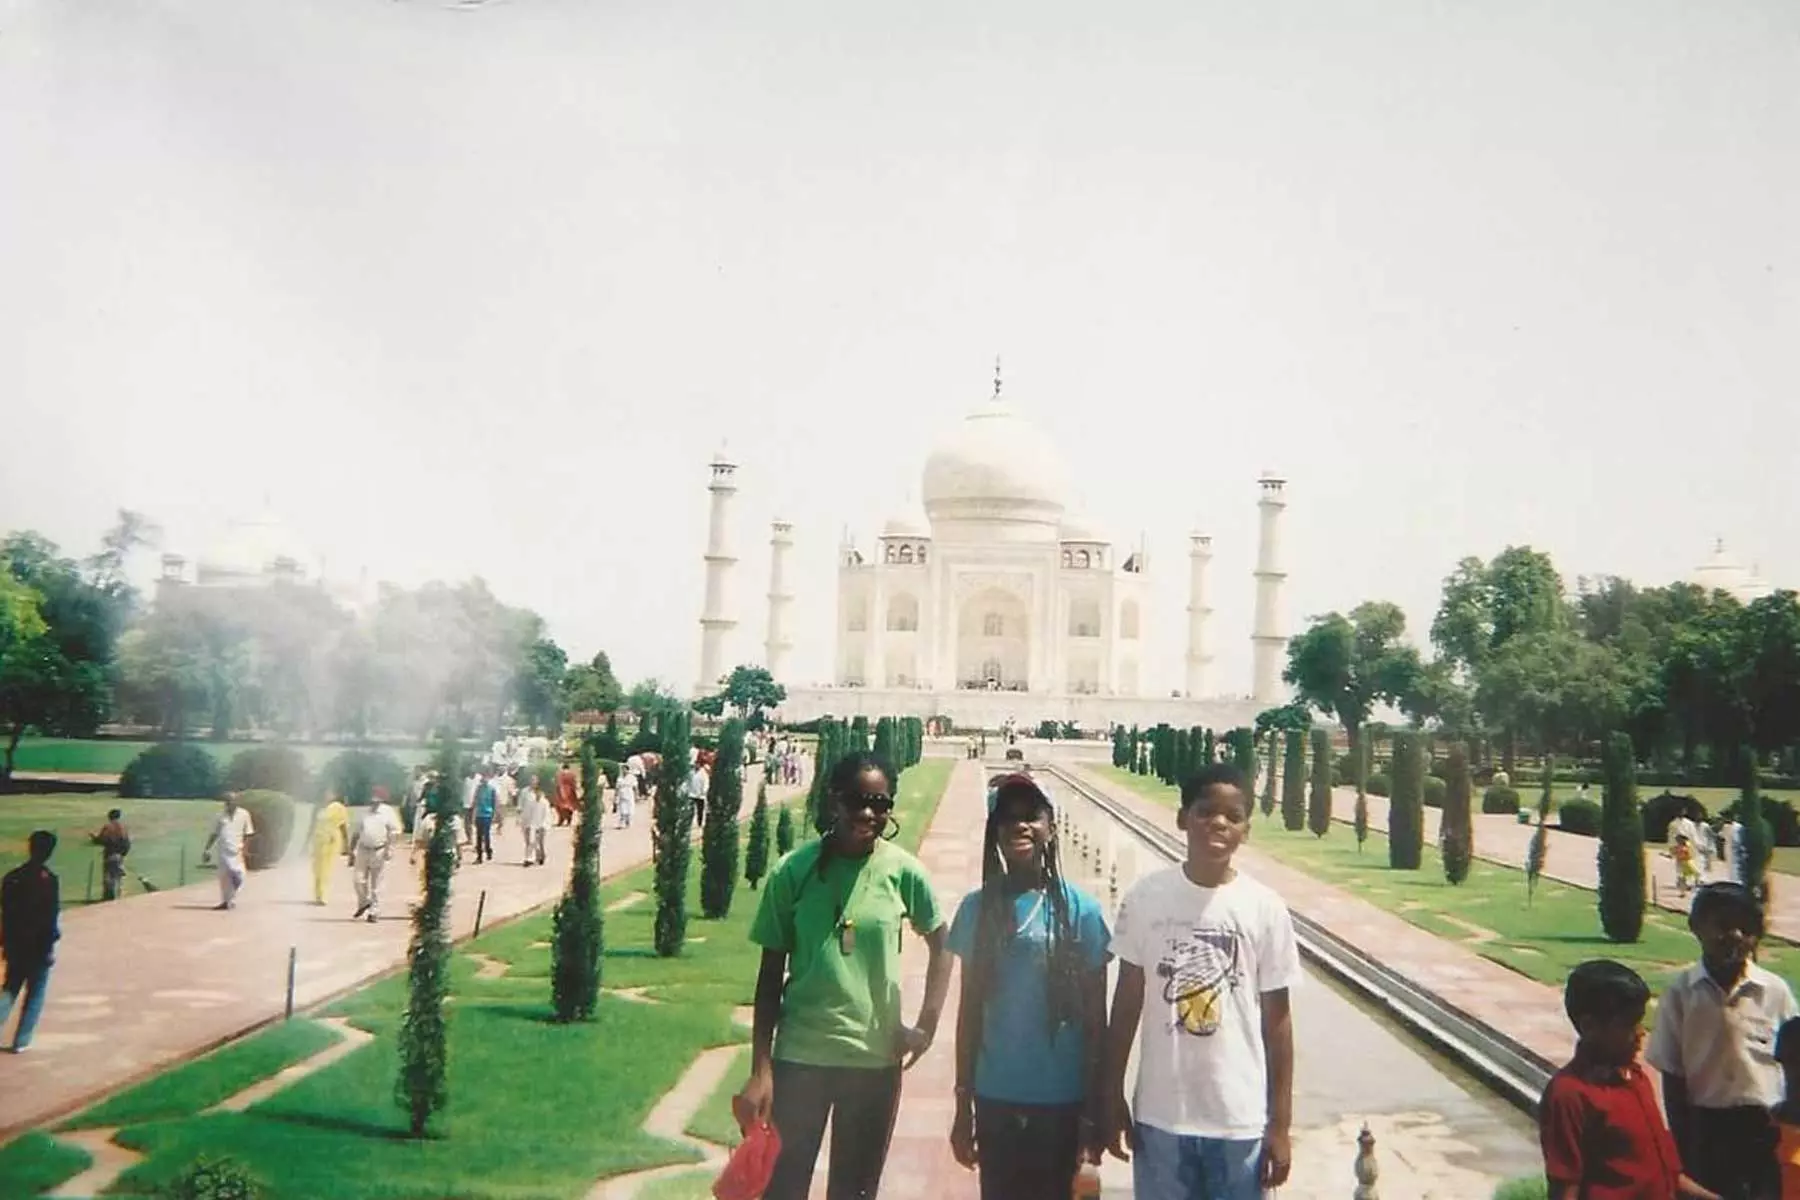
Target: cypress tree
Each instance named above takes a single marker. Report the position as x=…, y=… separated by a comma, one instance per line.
x=1182, y=756
x=719, y=836
x=1621, y=857
x=1359, y=757
x=756, y=852
x=784, y=830
x=674, y=820
x=1268, y=795
x=823, y=757
x=577, y=937
x=1243, y=752
x=1293, y=783
x=1406, y=805
x=423, y=1083
x=1209, y=749
x=859, y=737
x=1459, y=816
x=1758, y=839
x=1119, y=749
x=1318, y=802
x=1540, y=837
x=886, y=747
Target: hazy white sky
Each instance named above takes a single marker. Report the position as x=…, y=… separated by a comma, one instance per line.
x=479, y=290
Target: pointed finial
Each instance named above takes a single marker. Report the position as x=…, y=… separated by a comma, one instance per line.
x=996, y=376
x=1718, y=545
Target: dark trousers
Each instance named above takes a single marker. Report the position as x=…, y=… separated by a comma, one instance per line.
x=861, y=1103
x=1732, y=1152
x=113, y=878
x=700, y=812
x=484, y=838
x=1027, y=1151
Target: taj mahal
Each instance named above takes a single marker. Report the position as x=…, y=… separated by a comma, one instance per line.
x=1001, y=605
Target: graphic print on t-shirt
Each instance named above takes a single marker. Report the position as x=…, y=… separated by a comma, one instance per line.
x=1198, y=972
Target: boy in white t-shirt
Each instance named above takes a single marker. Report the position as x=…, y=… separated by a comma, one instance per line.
x=1212, y=951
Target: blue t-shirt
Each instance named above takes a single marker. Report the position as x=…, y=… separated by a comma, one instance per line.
x=1019, y=1062
x=484, y=801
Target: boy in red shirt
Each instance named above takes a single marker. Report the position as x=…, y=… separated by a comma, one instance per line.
x=1602, y=1132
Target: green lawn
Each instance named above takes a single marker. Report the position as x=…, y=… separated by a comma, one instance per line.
x=160, y=829
x=109, y=756
x=537, y=1109
x=1488, y=912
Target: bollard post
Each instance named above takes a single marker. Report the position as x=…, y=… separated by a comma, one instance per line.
x=480, y=905
x=1367, y=1172
x=293, y=964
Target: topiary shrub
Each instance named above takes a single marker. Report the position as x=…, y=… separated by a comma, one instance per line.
x=1500, y=799
x=1660, y=812
x=272, y=813
x=1380, y=784
x=784, y=830
x=212, y=1179
x=171, y=770
x=354, y=774
x=268, y=769
x=1435, y=790
x=1621, y=874
x=1579, y=816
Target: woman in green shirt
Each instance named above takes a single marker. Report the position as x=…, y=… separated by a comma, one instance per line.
x=829, y=1041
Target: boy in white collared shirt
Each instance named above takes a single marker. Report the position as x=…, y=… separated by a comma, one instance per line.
x=1715, y=1046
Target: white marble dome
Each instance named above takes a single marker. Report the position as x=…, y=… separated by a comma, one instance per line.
x=905, y=525
x=1724, y=573
x=252, y=549
x=995, y=466
x=1078, y=528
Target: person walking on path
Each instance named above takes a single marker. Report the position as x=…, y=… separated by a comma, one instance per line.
x=625, y=797
x=487, y=809
x=1032, y=1020
x=376, y=834
x=534, y=822
x=471, y=784
x=1215, y=1090
x=568, y=796
x=30, y=901
x=115, y=843
x=697, y=783
x=828, y=1040
x=330, y=842
x=231, y=834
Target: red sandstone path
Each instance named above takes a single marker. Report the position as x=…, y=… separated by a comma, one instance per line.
x=144, y=983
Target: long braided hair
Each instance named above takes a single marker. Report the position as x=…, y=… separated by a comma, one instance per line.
x=997, y=923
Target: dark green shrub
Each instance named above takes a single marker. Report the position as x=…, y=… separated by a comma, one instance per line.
x=784, y=830
x=1318, y=801
x=1660, y=812
x=1783, y=821
x=272, y=813
x=1458, y=828
x=610, y=768
x=1502, y=800
x=719, y=838
x=1621, y=875
x=1293, y=783
x=577, y=924
x=213, y=1179
x=171, y=770
x=1380, y=784
x=1435, y=790
x=1750, y=809
x=1539, y=849
x=1268, y=794
x=268, y=769
x=422, y=1084
x=673, y=814
x=355, y=774
x=1579, y=816
x=756, y=851
x=1406, y=810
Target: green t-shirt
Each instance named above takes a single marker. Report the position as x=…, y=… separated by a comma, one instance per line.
x=837, y=1009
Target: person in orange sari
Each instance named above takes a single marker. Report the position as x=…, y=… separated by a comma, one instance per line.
x=568, y=795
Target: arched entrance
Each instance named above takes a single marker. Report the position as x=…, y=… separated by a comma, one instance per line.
x=993, y=642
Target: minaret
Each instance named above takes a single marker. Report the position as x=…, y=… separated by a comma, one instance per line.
x=778, y=643
x=1268, y=642
x=1199, y=558
x=715, y=625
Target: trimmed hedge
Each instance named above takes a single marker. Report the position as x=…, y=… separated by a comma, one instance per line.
x=1660, y=811
x=1380, y=784
x=268, y=769
x=171, y=770
x=1499, y=799
x=354, y=775
x=273, y=815
x=1435, y=790
x=1579, y=816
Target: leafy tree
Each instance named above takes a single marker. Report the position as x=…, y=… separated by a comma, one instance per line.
x=1540, y=837
x=538, y=686
x=54, y=679
x=1359, y=756
x=784, y=830
x=592, y=687
x=756, y=853
x=1318, y=808
x=1293, y=784
x=719, y=838
x=1458, y=823
x=1268, y=794
x=422, y=1087
x=1406, y=804
x=674, y=818
x=577, y=939
x=748, y=690
x=1621, y=855
x=1344, y=666
x=1295, y=717
x=649, y=698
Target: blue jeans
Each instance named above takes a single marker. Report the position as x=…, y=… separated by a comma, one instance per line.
x=32, y=981
x=1171, y=1166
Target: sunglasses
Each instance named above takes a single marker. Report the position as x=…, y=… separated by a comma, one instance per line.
x=873, y=802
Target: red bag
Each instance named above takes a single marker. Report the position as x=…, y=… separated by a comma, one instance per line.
x=746, y=1176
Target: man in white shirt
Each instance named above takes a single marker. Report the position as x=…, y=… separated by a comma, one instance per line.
x=534, y=822
x=370, y=851
x=697, y=783
x=231, y=834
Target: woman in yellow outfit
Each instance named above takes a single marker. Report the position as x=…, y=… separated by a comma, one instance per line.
x=330, y=841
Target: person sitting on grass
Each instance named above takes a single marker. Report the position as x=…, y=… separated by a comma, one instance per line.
x=1597, y=1123
x=1714, y=1043
x=1032, y=1020
x=829, y=1041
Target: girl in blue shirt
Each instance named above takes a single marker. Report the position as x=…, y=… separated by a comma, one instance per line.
x=1030, y=1025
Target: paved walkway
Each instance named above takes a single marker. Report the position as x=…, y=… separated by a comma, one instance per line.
x=150, y=981
x=1571, y=858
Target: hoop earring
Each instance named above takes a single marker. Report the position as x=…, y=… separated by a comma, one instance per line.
x=891, y=831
